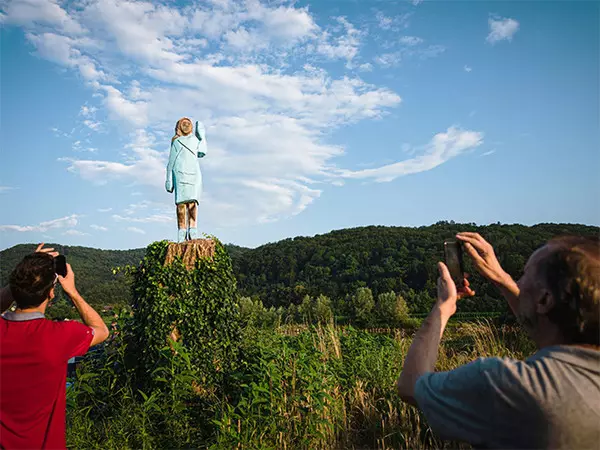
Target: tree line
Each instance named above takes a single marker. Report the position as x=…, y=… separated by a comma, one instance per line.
x=359, y=275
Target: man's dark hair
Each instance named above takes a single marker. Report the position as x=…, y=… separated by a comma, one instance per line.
x=31, y=281
x=572, y=274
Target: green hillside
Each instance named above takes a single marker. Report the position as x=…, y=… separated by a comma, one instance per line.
x=92, y=267
x=384, y=259
x=335, y=264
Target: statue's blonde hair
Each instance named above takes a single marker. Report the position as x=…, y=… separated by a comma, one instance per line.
x=178, y=132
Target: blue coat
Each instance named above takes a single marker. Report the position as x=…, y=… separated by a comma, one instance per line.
x=183, y=170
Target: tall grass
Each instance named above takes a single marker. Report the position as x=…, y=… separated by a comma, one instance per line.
x=322, y=388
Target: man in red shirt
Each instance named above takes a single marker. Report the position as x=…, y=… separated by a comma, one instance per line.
x=34, y=353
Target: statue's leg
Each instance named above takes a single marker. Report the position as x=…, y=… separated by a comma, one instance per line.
x=181, y=228
x=192, y=209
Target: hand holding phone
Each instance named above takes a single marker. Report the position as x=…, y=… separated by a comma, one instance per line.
x=454, y=262
x=60, y=265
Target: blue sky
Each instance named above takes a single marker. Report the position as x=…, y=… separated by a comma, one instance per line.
x=319, y=116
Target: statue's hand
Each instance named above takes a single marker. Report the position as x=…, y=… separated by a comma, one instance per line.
x=169, y=186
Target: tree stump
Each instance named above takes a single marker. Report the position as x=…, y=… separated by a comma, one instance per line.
x=190, y=251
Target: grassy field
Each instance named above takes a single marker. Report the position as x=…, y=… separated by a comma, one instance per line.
x=317, y=387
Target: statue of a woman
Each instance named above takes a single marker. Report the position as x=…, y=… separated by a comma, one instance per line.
x=184, y=176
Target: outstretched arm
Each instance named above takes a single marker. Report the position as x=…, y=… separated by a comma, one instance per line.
x=423, y=353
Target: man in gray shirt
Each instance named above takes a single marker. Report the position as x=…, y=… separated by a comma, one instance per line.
x=550, y=400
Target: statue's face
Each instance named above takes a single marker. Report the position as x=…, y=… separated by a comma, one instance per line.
x=186, y=126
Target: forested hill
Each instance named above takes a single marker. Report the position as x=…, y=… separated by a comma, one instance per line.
x=335, y=264
x=384, y=259
x=93, y=270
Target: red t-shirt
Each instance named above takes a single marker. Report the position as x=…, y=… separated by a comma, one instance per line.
x=34, y=355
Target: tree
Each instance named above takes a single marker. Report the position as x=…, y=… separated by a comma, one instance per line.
x=322, y=308
x=390, y=309
x=361, y=306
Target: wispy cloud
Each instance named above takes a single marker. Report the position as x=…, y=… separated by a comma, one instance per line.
x=149, y=219
x=489, y=152
x=416, y=2
x=103, y=210
x=4, y=189
x=410, y=40
x=63, y=222
x=98, y=227
x=442, y=147
x=501, y=29
x=75, y=233
x=468, y=68
x=136, y=230
x=235, y=64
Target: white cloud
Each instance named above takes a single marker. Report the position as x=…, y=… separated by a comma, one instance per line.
x=410, y=40
x=98, y=227
x=136, y=230
x=388, y=59
x=75, y=233
x=258, y=74
x=88, y=111
x=384, y=22
x=416, y=2
x=501, y=29
x=63, y=222
x=4, y=189
x=489, y=152
x=341, y=43
x=92, y=124
x=153, y=218
x=442, y=147
x=31, y=13
x=468, y=68
x=103, y=210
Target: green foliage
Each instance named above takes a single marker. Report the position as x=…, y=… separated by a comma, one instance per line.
x=384, y=259
x=361, y=306
x=314, y=310
x=93, y=271
x=62, y=309
x=325, y=387
x=336, y=264
x=254, y=314
x=200, y=303
x=390, y=310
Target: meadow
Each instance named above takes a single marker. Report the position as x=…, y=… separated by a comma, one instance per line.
x=307, y=387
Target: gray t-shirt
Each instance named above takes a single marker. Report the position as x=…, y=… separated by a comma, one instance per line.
x=550, y=400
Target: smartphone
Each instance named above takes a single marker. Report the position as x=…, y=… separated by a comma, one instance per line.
x=60, y=265
x=454, y=261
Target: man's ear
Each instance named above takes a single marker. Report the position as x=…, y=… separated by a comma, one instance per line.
x=51, y=294
x=545, y=304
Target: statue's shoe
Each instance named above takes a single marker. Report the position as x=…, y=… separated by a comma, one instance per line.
x=181, y=234
x=193, y=233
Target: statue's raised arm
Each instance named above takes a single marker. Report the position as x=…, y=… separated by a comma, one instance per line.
x=184, y=175
x=201, y=135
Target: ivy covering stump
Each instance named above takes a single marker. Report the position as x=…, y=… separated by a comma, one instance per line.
x=186, y=292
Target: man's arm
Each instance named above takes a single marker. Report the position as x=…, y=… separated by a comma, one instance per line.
x=89, y=316
x=6, y=299
x=423, y=352
x=488, y=265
